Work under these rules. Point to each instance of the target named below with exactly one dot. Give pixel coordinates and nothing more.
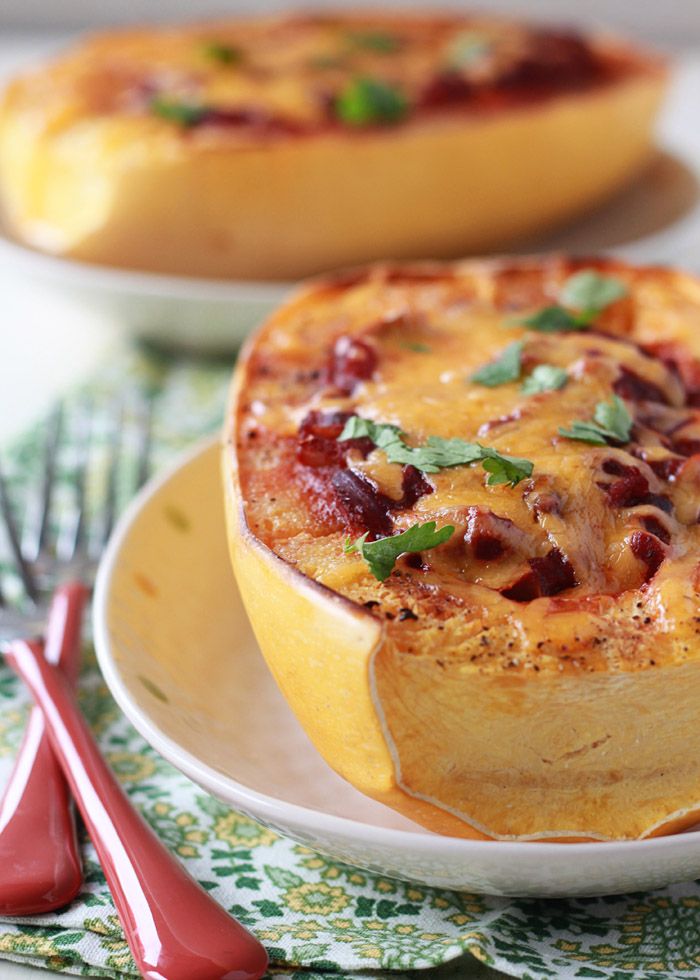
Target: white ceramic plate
(176, 650)
(192, 314)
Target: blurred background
(672, 23)
(657, 219)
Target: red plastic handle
(39, 860)
(175, 930)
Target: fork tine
(71, 537)
(145, 441)
(49, 475)
(35, 536)
(13, 538)
(110, 495)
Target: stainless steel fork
(87, 466)
(65, 523)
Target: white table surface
(45, 350)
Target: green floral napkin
(318, 919)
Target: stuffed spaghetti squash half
(463, 508)
(275, 147)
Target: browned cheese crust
(277, 77)
(590, 564)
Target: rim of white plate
(135, 281)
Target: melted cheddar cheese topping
(591, 561)
(286, 75)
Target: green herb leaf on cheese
(545, 377)
(437, 453)
(368, 101)
(185, 114)
(587, 294)
(381, 554)
(381, 433)
(589, 291)
(554, 319)
(505, 368)
(504, 469)
(611, 423)
(222, 54)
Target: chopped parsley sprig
(504, 469)
(582, 299)
(589, 291)
(369, 101)
(611, 423)
(381, 554)
(545, 377)
(222, 54)
(555, 319)
(508, 367)
(185, 114)
(505, 368)
(437, 453)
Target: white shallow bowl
(177, 652)
(199, 315)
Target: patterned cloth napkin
(318, 919)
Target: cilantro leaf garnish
(223, 54)
(377, 41)
(552, 319)
(505, 368)
(611, 423)
(504, 469)
(545, 377)
(366, 101)
(437, 453)
(185, 114)
(381, 433)
(589, 291)
(582, 299)
(381, 554)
